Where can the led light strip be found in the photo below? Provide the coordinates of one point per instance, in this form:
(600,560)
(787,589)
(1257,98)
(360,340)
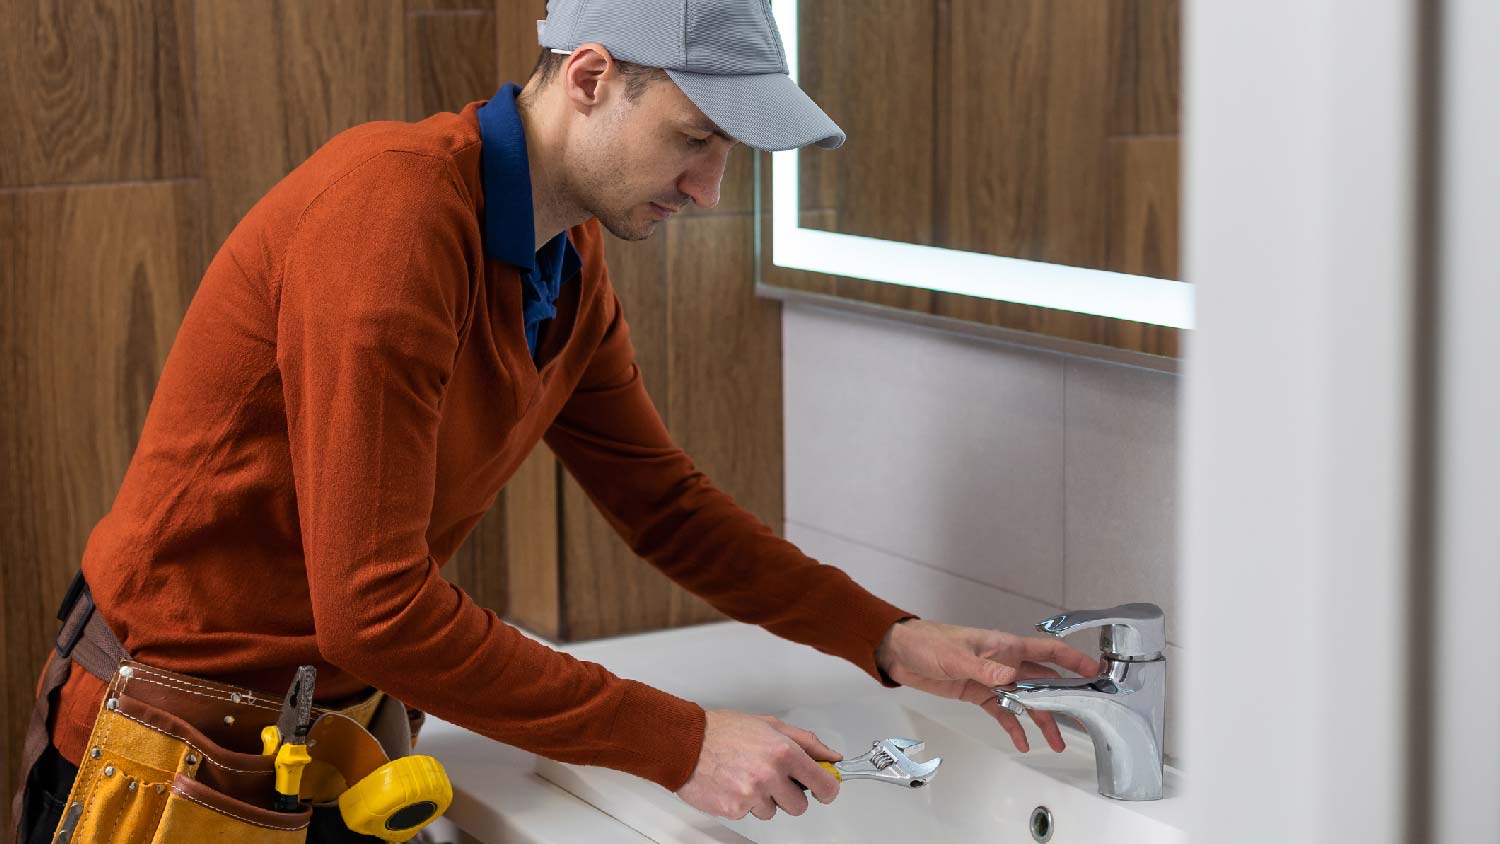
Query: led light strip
(1104,293)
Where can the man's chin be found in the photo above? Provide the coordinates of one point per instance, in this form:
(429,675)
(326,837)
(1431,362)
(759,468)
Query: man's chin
(628,229)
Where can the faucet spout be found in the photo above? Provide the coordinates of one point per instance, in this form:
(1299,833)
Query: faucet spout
(1123,710)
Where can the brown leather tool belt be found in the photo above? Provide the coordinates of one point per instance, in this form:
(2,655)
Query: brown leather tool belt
(173,757)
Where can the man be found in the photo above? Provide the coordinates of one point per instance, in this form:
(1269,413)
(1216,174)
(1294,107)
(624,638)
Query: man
(380,343)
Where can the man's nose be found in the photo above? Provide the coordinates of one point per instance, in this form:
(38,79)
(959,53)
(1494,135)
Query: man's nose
(702,182)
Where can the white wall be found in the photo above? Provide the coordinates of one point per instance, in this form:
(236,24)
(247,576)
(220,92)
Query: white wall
(979,483)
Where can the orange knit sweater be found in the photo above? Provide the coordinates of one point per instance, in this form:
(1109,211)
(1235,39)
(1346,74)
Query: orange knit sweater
(348,392)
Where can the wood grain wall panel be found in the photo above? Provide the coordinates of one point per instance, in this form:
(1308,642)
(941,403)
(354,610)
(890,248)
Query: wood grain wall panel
(516,46)
(994,153)
(607,588)
(414,6)
(1024,163)
(93,284)
(725,379)
(638,273)
(1076,126)
(1145,57)
(1144,203)
(479,566)
(821,75)
(278,78)
(450,61)
(885,185)
(533,556)
(96,90)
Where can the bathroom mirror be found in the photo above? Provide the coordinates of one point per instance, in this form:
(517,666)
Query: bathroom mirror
(1011,164)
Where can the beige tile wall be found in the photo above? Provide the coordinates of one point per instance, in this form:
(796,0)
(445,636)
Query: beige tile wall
(979,483)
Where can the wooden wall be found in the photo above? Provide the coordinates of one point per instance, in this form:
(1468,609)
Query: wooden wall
(134,134)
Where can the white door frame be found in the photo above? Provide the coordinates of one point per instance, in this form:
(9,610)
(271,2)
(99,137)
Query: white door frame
(1465,703)
(1302,184)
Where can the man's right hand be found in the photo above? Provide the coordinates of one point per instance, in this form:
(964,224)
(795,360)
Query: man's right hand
(748,763)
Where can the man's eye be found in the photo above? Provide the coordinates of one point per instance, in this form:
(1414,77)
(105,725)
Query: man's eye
(697,142)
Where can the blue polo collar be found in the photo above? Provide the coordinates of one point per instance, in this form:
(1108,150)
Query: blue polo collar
(509,225)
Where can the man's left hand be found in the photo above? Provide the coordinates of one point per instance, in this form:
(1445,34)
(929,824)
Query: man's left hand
(967,663)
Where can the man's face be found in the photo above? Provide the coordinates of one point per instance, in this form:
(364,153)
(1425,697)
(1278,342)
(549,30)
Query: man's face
(629,158)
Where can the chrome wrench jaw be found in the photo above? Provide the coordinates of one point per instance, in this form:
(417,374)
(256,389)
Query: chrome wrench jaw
(889,761)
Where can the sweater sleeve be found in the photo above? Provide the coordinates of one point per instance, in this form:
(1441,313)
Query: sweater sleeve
(371,301)
(610,438)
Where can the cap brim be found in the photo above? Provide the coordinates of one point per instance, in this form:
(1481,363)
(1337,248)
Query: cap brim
(766,111)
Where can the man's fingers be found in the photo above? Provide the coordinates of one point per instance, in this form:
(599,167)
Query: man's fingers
(808,741)
(765,809)
(1034,670)
(1050,731)
(1060,653)
(1009,723)
(1044,720)
(989,672)
(815,778)
(789,797)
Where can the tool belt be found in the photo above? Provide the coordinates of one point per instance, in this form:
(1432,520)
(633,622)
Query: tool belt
(176,759)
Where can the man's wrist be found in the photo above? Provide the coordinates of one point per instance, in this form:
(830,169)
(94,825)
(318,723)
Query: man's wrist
(885,652)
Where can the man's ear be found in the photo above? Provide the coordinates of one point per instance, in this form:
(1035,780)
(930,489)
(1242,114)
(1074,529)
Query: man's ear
(583,71)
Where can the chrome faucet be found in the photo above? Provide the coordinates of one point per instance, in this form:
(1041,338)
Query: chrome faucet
(1123,708)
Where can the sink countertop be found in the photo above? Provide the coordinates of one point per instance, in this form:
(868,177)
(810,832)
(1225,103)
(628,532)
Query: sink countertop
(500,799)
(497,797)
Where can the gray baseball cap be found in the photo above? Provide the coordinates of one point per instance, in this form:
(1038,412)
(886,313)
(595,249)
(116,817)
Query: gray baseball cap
(725,55)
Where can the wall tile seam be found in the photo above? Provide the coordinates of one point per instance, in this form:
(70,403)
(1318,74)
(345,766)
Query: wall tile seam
(925,566)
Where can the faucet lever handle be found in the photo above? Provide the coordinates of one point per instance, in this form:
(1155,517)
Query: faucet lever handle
(1133,632)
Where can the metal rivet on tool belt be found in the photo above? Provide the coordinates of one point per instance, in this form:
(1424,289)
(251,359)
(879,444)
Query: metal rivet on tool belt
(234,697)
(126,671)
(229,719)
(131,787)
(112,704)
(109,770)
(161,788)
(95,753)
(191,759)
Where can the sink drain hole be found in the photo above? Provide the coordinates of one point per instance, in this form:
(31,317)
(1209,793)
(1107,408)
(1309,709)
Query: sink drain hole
(1041,824)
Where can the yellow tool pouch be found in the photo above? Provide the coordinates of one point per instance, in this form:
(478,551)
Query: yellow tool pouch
(174,759)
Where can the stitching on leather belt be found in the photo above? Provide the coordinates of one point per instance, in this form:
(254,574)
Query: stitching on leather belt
(244,699)
(185,796)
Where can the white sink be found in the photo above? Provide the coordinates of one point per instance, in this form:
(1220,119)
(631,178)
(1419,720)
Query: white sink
(984,791)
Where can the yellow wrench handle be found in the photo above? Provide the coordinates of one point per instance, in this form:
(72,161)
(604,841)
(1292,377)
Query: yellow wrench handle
(830,768)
